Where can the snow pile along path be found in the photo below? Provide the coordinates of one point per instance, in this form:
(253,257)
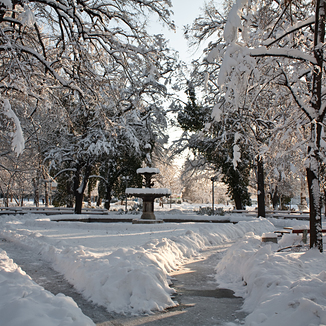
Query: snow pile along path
(280,288)
(23,302)
(132,279)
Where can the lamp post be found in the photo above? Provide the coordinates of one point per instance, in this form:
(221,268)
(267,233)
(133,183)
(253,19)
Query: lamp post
(213,179)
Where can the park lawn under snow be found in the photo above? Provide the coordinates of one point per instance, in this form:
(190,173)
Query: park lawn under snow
(125,267)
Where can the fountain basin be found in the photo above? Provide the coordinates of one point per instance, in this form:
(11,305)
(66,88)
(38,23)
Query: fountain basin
(142,192)
(148,196)
(148,170)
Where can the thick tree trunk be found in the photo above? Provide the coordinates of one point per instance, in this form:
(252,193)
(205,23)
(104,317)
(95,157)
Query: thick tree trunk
(238,202)
(260,187)
(316,236)
(107,203)
(79,202)
(79,189)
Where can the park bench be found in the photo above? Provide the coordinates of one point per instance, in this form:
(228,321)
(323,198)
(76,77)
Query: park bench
(304,230)
(304,233)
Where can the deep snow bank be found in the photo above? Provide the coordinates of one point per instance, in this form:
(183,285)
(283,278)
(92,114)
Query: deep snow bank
(23,302)
(129,280)
(280,288)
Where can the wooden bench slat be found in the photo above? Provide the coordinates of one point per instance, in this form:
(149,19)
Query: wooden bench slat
(301,230)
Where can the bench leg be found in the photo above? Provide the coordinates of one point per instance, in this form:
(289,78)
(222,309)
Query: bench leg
(304,236)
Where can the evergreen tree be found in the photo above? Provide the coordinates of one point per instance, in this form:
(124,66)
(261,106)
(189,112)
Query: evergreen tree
(215,142)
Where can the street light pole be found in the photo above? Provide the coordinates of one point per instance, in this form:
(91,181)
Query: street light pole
(126,180)
(213,179)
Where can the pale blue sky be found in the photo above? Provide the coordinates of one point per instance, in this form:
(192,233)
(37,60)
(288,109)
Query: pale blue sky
(185,11)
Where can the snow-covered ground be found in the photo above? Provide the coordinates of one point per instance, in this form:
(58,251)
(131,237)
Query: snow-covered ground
(125,267)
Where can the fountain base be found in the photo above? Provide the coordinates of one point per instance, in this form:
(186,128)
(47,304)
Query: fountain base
(148,196)
(144,221)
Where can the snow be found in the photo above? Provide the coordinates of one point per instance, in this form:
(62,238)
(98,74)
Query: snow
(217,113)
(27,17)
(280,288)
(125,267)
(23,302)
(294,27)
(233,22)
(18,143)
(148,170)
(236,155)
(152,191)
(7,3)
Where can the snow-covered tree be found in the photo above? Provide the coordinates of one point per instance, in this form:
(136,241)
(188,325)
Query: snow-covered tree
(169,176)
(197,185)
(247,111)
(99,53)
(276,46)
(294,34)
(49,43)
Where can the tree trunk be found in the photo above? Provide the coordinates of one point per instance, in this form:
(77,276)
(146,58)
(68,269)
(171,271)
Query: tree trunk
(275,197)
(46,193)
(260,187)
(238,202)
(79,202)
(36,191)
(70,194)
(313,170)
(79,190)
(316,236)
(325,202)
(108,197)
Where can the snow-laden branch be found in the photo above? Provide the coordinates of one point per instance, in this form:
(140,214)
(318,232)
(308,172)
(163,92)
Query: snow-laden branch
(283,52)
(99,177)
(293,29)
(43,61)
(62,171)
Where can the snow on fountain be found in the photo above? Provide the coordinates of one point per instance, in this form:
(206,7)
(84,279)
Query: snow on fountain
(148,194)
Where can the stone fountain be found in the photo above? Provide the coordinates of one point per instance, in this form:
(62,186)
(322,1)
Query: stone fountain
(148,194)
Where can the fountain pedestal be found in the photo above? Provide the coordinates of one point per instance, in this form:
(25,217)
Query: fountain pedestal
(148,196)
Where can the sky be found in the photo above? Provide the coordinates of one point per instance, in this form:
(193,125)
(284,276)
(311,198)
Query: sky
(185,12)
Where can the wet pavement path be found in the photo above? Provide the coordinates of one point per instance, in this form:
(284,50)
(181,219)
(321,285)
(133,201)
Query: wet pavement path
(201,302)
